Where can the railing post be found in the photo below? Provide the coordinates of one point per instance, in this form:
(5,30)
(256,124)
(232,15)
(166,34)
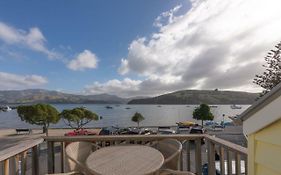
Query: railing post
(181,157)
(222,164)
(237,164)
(23,162)
(62,156)
(246,165)
(51,157)
(198,159)
(6,167)
(229,162)
(17,158)
(187,144)
(35,160)
(211,157)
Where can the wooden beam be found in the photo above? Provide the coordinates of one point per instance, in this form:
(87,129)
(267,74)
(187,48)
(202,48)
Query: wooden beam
(51,157)
(23,162)
(35,160)
(187,148)
(226,144)
(237,164)
(198,159)
(229,162)
(17,149)
(222,164)
(62,155)
(211,158)
(6,167)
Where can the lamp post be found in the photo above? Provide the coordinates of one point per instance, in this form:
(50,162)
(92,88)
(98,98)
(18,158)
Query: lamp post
(223,119)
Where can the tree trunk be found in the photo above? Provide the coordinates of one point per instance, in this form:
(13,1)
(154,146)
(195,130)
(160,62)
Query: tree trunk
(44,129)
(202,123)
(138,124)
(47,131)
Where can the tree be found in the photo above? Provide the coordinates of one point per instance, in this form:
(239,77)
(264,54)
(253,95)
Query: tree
(39,114)
(272,74)
(137,117)
(78,117)
(203,112)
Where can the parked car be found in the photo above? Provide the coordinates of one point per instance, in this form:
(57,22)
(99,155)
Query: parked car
(78,132)
(166,131)
(198,130)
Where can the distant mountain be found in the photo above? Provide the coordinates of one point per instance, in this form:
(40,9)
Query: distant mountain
(200,96)
(46,96)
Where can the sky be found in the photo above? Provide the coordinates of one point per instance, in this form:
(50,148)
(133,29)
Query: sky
(135,47)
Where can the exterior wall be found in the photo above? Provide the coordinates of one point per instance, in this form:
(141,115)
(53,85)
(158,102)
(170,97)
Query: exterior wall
(270,113)
(264,150)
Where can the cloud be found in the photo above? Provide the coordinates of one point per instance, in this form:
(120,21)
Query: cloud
(11,81)
(84,60)
(168,15)
(122,88)
(216,44)
(32,39)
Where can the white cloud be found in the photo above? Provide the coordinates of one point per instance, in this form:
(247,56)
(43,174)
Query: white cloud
(168,15)
(84,60)
(14,81)
(216,44)
(122,88)
(32,39)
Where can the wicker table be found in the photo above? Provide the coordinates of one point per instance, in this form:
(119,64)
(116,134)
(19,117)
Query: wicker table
(125,160)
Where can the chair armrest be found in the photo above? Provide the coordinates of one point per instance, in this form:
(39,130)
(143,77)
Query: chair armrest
(68,173)
(175,172)
(96,146)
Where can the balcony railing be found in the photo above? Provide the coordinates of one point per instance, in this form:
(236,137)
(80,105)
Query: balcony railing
(193,156)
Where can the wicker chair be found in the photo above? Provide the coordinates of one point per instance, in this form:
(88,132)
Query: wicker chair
(76,155)
(171,150)
(174,172)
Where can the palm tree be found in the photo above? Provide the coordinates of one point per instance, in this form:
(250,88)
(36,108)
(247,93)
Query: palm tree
(137,117)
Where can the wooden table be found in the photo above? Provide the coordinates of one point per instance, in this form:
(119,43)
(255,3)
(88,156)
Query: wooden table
(125,160)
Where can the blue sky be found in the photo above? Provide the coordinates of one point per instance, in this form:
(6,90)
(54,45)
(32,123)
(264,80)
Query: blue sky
(105,28)
(131,48)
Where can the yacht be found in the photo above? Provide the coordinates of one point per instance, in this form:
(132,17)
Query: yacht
(235,107)
(6,109)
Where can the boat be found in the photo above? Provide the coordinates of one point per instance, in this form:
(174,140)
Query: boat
(6,109)
(235,107)
(186,123)
(213,106)
(159,106)
(127,108)
(109,107)
(236,120)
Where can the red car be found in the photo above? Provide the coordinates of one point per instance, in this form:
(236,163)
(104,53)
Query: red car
(78,132)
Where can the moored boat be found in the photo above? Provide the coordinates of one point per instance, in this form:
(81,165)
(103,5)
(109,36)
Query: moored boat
(235,107)
(6,109)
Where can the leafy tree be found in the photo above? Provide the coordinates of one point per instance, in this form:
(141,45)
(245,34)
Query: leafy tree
(39,114)
(272,74)
(137,117)
(203,112)
(78,117)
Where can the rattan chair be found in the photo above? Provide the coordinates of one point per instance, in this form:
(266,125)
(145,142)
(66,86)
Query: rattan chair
(174,172)
(171,150)
(76,155)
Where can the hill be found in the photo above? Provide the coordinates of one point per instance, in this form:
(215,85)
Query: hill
(200,96)
(46,96)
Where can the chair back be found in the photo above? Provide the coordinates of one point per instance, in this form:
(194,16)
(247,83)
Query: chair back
(76,155)
(171,150)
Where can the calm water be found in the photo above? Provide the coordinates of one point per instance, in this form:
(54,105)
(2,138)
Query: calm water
(120,116)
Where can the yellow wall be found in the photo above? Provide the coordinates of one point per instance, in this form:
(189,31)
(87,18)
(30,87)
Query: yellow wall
(264,151)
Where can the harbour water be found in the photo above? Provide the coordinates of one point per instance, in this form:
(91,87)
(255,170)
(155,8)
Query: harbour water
(120,115)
